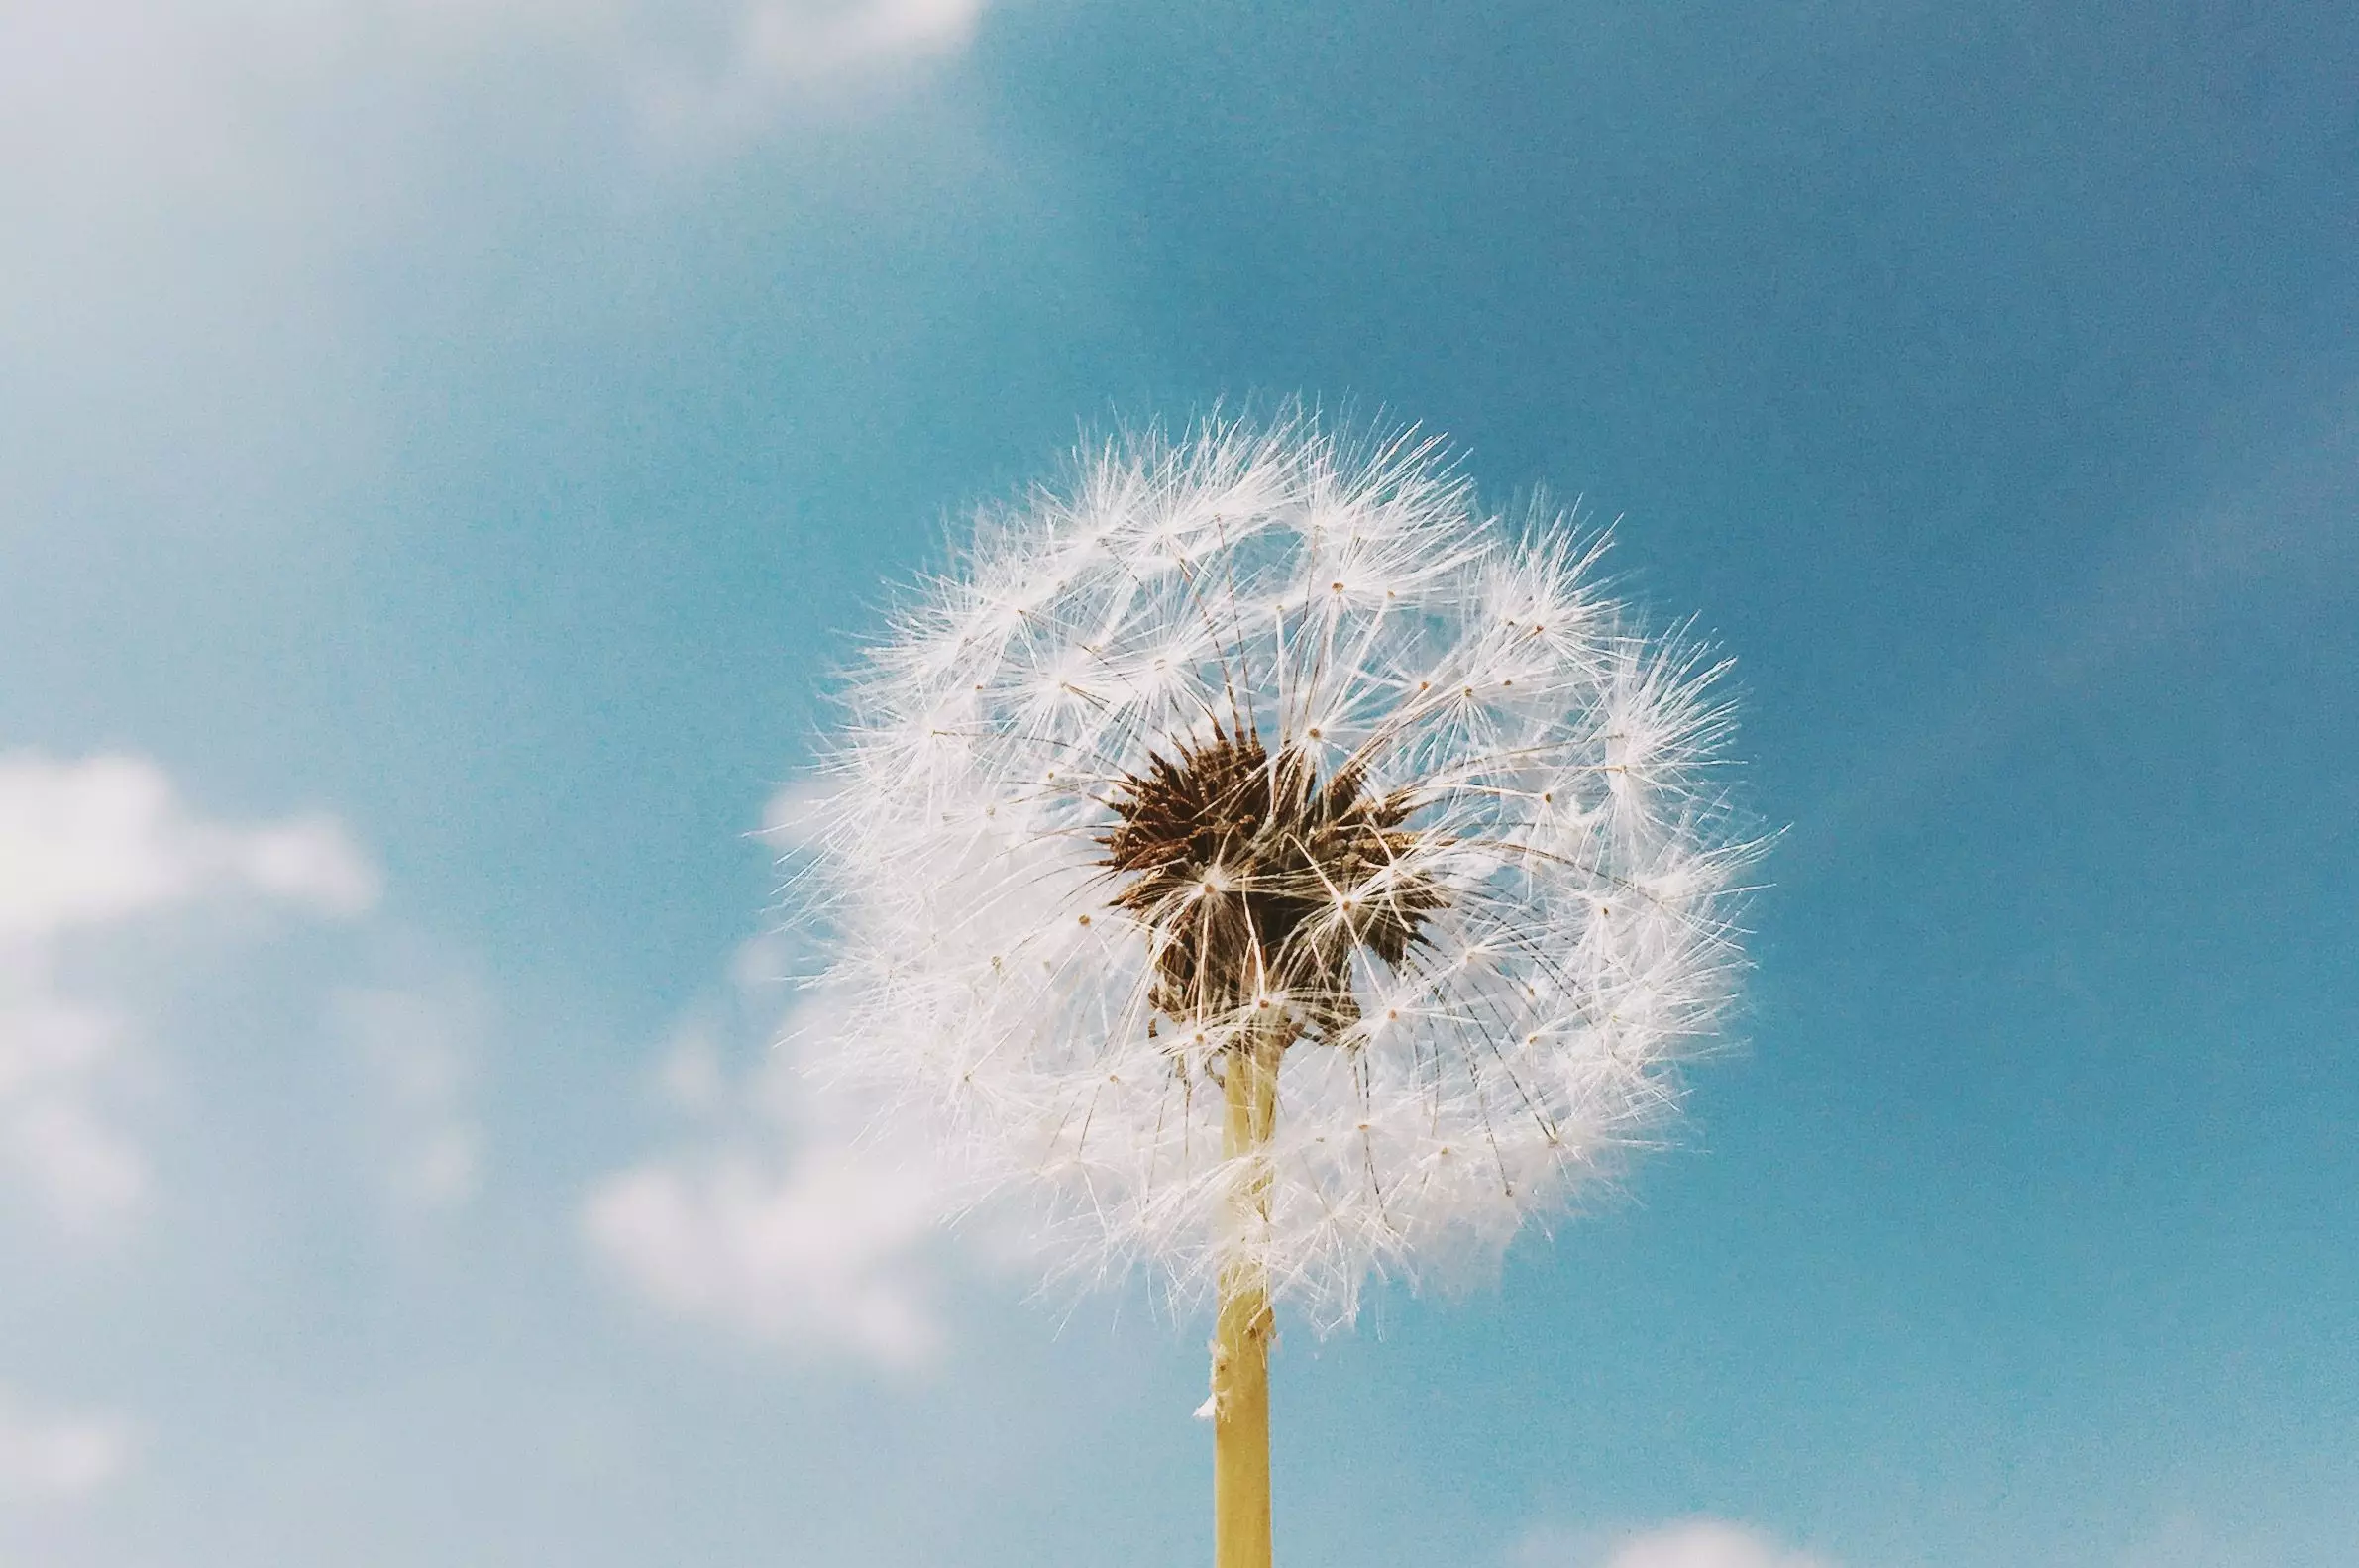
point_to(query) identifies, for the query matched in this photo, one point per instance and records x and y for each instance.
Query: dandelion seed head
(1267, 733)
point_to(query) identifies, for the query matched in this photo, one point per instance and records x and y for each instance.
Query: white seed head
(1265, 721)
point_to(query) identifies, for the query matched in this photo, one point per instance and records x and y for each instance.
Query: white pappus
(1266, 737)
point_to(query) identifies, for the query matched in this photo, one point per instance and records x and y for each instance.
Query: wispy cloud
(782, 1217)
(88, 845)
(1688, 1543)
(178, 86)
(776, 1221)
(777, 53)
(2233, 551)
(60, 1457)
(417, 1049)
(89, 842)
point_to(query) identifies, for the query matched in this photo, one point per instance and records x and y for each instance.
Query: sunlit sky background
(445, 449)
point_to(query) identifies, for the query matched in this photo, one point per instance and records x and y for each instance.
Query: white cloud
(1688, 1543)
(417, 1050)
(83, 843)
(780, 1222)
(808, 1251)
(180, 87)
(60, 1457)
(86, 846)
(779, 50)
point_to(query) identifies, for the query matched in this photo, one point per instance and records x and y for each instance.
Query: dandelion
(1286, 872)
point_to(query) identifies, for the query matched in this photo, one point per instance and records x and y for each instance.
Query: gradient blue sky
(444, 450)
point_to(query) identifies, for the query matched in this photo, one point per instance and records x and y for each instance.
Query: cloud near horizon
(185, 87)
(60, 1458)
(85, 848)
(1687, 1543)
(418, 1051)
(778, 1221)
(784, 1220)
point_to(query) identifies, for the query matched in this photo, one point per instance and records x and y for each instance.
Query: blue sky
(443, 452)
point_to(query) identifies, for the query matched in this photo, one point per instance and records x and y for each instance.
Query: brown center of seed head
(1255, 881)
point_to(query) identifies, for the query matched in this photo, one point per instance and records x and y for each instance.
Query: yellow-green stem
(1242, 1331)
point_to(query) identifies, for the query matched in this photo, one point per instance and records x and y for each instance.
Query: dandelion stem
(1244, 1327)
